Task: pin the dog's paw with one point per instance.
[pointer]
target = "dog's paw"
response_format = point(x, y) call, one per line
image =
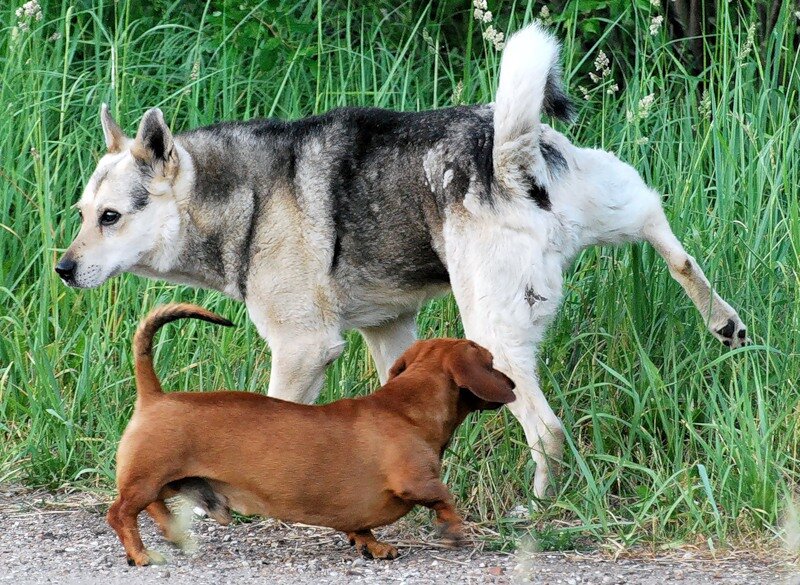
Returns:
point(732, 333)
point(452, 534)
point(146, 558)
point(377, 550)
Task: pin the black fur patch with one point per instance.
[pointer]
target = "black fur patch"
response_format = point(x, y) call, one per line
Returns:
point(139, 197)
point(539, 195)
point(728, 329)
point(553, 157)
point(556, 101)
point(246, 253)
point(532, 297)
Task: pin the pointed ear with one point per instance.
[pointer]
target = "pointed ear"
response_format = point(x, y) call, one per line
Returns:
point(115, 137)
point(471, 368)
point(153, 145)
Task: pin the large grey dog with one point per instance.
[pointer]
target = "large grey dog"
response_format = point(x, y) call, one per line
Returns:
point(354, 218)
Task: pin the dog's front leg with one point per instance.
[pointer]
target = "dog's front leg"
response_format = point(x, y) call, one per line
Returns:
point(388, 341)
point(299, 359)
point(431, 493)
point(370, 547)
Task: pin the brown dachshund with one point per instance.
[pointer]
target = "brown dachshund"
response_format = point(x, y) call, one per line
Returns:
point(352, 465)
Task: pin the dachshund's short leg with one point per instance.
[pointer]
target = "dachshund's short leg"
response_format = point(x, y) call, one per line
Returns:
point(433, 494)
point(123, 518)
point(366, 544)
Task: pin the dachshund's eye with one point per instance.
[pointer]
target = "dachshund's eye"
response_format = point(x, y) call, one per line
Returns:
point(109, 217)
point(80, 214)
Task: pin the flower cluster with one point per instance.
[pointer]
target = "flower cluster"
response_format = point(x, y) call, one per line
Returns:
point(602, 69)
point(655, 24)
point(544, 16)
point(484, 16)
point(643, 109)
point(26, 14)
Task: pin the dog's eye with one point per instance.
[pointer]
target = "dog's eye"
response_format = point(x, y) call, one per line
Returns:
point(109, 217)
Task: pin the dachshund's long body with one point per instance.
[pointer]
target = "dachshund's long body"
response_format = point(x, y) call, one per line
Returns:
point(352, 465)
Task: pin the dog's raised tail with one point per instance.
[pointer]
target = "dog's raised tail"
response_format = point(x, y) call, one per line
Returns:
point(530, 82)
point(147, 383)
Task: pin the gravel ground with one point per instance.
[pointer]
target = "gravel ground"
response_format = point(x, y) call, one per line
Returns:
point(64, 539)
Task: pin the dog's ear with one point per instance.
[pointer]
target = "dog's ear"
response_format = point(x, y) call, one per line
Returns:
point(404, 360)
point(154, 145)
point(470, 366)
point(113, 134)
point(398, 367)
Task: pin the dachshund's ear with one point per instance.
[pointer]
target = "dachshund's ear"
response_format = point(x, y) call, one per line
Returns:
point(470, 366)
point(397, 368)
point(404, 360)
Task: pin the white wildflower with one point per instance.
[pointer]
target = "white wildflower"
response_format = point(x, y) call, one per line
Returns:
point(655, 3)
point(655, 24)
point(478, 15)
point(480, 4)
point(630, 116)
point(195, 73)
point(644, 105)
point(54, 37)
point(612, 89)
point(601, 63)
point(584, 92)
point(545, 17)
point(487, 16)
point(495, 37)
point(642, 140)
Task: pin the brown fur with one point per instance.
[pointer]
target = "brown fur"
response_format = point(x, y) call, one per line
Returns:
point(351, 465)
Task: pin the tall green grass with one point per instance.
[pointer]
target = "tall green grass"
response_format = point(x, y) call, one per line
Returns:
point(671, 437)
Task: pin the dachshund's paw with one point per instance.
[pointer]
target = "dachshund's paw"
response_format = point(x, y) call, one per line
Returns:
point(147, 557)
point(377, 550)
point(452, 534)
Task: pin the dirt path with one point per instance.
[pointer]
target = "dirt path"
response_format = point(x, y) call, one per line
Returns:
point(47, 538)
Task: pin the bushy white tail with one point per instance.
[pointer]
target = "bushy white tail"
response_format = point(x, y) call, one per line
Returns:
point(530, 81)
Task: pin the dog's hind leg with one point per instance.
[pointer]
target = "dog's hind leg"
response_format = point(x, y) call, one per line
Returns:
point(123, 518)
point(370, 547)
point(720, 318)
point(168, 523)
point(387, 342)
point(508, 283)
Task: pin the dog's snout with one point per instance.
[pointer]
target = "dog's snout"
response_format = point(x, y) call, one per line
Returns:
point(66, 268)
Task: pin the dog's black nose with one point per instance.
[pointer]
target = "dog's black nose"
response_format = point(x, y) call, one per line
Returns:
point(66, 268)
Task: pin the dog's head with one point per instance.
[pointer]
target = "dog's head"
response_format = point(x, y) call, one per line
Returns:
point(468, 367)
point(129, 210)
